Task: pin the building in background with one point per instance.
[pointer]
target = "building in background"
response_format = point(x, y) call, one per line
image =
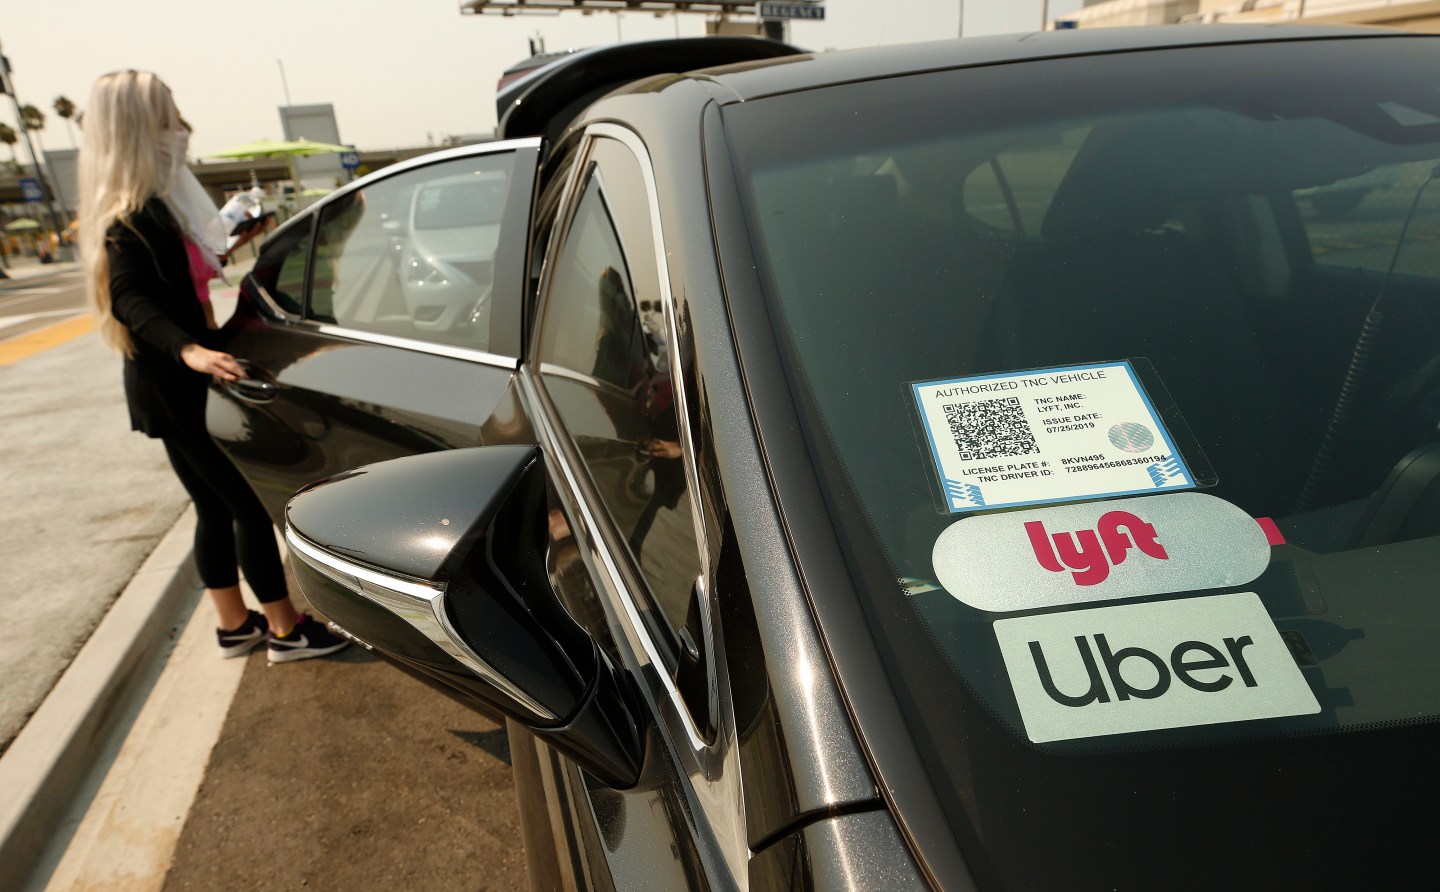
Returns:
point(63, 165)
point(1129, 13)
point(317, 124)
point(1410, 15)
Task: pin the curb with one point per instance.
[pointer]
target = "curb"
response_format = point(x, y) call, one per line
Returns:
point(51, 758)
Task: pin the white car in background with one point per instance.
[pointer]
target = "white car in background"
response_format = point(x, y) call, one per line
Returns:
point(448, 248)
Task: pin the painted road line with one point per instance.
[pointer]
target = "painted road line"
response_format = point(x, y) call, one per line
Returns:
point(38, 289)
point(25, 346)
point(32, 291)
point(12, 321)
point(12, 303)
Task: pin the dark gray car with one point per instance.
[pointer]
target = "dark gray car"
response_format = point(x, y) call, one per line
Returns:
point(956, 465)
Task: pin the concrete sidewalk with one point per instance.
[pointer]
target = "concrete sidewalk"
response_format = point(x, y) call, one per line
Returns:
point(71, 736)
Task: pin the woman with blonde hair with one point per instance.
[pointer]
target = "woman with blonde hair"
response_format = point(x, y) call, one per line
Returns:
point(150, 240)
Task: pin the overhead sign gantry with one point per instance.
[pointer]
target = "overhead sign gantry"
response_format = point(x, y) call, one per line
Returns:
point(659, 7)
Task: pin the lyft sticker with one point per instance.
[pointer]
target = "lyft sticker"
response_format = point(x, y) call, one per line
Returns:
point(1047, 435)
point(1101, 551)
point(1143, 667)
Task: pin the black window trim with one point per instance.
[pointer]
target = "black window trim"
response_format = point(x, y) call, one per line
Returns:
point(268, 300)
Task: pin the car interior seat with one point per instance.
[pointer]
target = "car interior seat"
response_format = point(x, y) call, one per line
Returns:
point(1113, 276)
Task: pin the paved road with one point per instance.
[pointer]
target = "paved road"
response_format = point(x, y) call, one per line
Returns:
point(28, 305)
point(82, 499)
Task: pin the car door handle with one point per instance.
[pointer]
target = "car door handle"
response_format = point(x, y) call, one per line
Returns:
point(254, 389)
point(251, 390)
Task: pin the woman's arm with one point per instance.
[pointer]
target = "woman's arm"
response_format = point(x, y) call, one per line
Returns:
point(137, 280)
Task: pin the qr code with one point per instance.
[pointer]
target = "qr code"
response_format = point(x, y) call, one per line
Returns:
point(990, 429)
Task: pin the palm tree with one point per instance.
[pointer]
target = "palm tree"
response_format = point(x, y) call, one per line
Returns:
point(66, 110)
point(34, 118)
point(9, 137)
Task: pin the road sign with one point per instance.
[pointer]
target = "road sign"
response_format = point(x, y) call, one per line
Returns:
point(792, 10)
point(350, 160)
point(30, 189)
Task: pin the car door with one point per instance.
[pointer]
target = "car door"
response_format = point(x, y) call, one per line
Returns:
point(385, 321)
point(629, 550)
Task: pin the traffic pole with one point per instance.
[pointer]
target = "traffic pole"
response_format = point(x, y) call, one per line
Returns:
point(47, 193)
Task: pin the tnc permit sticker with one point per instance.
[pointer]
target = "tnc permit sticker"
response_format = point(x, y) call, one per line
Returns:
point(1144, 667)
point(1101, 551)
point(1047, 435)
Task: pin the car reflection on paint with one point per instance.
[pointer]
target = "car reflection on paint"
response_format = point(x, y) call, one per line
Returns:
point(448, 249)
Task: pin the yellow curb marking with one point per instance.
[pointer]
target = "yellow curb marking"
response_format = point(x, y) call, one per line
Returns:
point(13, 351)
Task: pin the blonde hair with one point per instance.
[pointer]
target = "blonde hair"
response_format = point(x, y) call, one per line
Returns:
point(121, 166)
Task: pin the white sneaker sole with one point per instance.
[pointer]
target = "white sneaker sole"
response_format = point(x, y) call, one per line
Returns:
point(243, 648)
point(303, 653)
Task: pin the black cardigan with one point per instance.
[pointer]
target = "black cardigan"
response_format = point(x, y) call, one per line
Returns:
point(152, 294)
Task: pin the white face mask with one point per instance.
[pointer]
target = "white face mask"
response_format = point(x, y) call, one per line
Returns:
point(174, 147)
point(187, 199)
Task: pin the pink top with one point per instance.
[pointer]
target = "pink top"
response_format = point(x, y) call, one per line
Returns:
point(200, 272)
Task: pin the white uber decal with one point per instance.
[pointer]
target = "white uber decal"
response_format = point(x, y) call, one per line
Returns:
point(1143, 667)
point(1100, 551)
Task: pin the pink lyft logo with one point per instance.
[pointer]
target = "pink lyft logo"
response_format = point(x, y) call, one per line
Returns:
point(1088, 554)
point(1101, 551)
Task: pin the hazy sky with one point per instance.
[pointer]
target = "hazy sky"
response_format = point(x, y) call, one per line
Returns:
point(399, 72)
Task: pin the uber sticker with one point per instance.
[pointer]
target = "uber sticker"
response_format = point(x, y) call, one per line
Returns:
point(1100, 551)
point(1047, 435)
point(1143, 667)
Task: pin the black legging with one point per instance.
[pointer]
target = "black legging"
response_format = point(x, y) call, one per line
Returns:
point(228, 514)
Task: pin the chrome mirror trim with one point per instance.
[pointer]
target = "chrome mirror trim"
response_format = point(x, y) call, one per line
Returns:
point(420, 606)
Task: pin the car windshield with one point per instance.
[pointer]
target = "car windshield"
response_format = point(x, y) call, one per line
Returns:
point(1122, 378)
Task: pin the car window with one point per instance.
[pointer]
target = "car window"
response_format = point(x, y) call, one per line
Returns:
point(280, 269)
point(1143, 500)
point(604, 356)
point(412, 255)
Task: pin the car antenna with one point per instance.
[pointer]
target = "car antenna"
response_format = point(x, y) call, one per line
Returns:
point(1359, 364)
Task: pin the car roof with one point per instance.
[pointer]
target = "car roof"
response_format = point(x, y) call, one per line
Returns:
point(755, 80)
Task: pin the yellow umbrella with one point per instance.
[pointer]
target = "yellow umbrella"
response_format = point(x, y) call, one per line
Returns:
point(279, 148)
point(24, 224)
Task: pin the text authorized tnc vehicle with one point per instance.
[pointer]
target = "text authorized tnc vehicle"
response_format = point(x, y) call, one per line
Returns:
point(968, 464)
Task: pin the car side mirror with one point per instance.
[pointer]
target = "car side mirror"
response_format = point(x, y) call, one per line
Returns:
point(437, 561)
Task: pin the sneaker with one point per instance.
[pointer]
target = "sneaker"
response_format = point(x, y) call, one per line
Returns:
point(250, 634)
point(308, 639)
